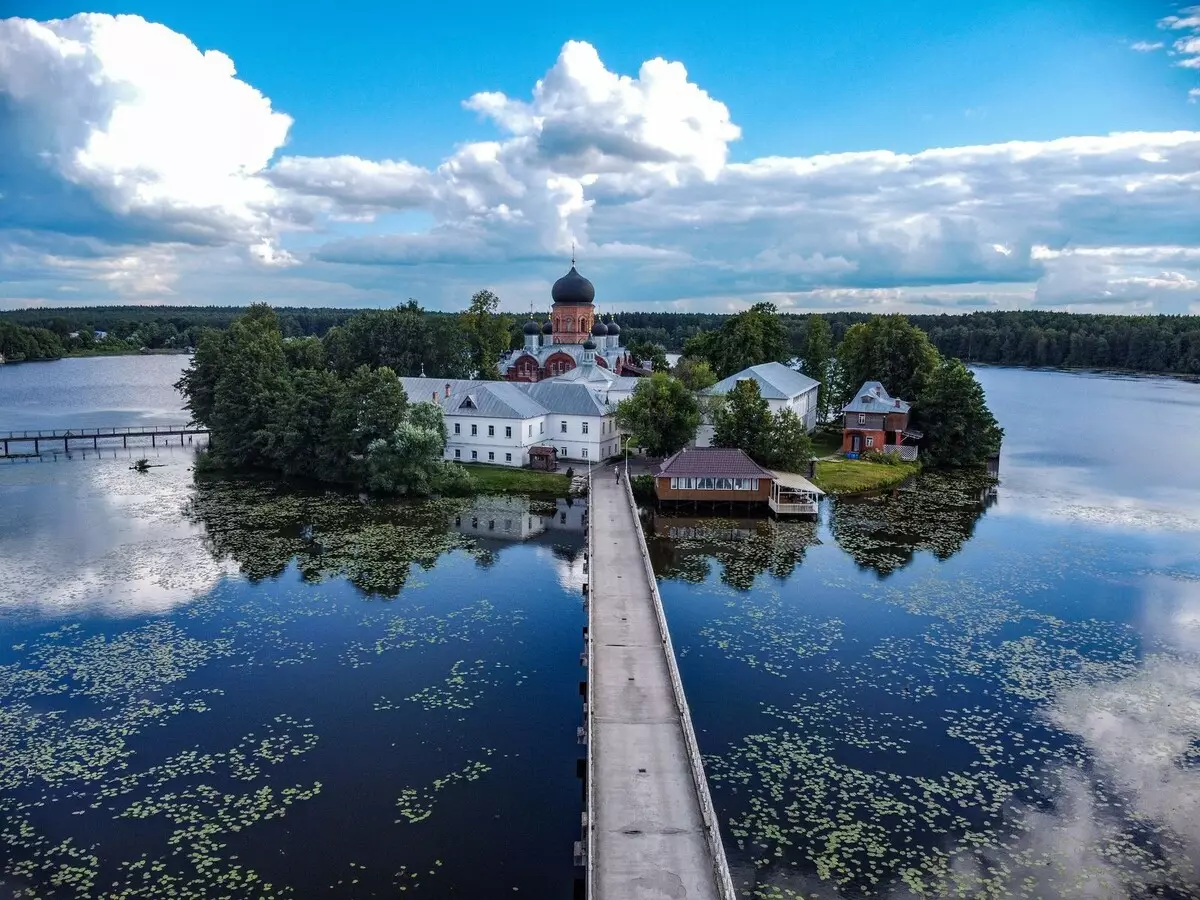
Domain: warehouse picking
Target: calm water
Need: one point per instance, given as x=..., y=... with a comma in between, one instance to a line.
x=236, y=690
x=241, y=691
x=951, y=693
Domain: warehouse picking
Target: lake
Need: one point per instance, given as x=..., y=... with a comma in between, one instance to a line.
x=954, y=692
x=237, y=689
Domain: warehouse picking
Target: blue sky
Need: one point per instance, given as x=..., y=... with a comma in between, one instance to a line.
x=692, y=191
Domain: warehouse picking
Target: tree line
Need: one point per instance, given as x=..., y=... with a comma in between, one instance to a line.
x=1167, y=344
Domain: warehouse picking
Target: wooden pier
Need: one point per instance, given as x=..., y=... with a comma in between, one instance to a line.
x=69, y=437
x=650, y=831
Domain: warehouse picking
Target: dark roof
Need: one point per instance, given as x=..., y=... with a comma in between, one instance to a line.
x=573, y=288
x=712, y=461
x=613, y=327
x=589, y=344
x=548, y=328
x=599, y=328
x=532, y=327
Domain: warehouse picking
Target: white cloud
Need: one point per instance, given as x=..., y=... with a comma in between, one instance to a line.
x=1146, y=46
x=151, y=156
x=1187, y=45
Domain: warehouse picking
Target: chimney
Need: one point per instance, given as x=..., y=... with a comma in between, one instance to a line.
x=447, y=389
x=435, y=398
x=897, y=404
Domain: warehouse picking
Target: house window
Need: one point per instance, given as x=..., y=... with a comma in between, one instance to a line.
x=491, y=456
x=531, y=429
x=457, y=428
x=491, y=431
x=474, y=430
x=508, y=431
x=541, y=427
x=508, y=457
x=870, y=441
x=458, y=454
x=562, y=426
x=563, y=452
x=862, y=418
x=474, y=454
x=585, y=427
x=585, y=452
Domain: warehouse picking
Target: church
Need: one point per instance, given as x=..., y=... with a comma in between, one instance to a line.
x=573, y=338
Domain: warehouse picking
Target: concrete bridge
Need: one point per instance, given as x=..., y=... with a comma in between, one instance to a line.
x=650, y=832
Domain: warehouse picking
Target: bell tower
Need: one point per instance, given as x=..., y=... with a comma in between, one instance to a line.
x=574, y=311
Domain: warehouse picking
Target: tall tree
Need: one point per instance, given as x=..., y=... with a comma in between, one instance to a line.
x=656, y=354
x=661, y=414
x=960, y=430
x=696, y=374
x=817, y=359
x=888, y=349
x=789, y=448
x=743, y=420
x=487, y=332
x=747, y=339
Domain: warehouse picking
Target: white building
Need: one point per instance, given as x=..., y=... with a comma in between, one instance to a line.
x=498, y=422
x=781, y=387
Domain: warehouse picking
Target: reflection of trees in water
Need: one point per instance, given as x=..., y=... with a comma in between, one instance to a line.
x=264, y=527
x=937, y=514
x=683, y=547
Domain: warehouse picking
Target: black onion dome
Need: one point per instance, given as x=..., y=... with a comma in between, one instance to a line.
x=599, y=329
x=532, y=327
x=548, y=328
x=589, y=344
x=573, y=288
x=613, y=328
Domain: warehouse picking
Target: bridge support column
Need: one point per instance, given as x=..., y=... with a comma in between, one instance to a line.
x=153, y=438
x=95, y=442
x=65, y=447
x=124, y=440
x=36, y=446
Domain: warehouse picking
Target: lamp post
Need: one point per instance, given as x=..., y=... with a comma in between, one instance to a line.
x=627, y=440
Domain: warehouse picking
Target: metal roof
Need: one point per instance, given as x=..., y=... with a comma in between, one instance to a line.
x=423, y=389
x=873, y=397
x=796, y=482
x=775, y=382
x=493, y=399
x=566, y=397
x=713, y=461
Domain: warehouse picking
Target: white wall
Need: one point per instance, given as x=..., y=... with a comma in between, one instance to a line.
x=525, y=434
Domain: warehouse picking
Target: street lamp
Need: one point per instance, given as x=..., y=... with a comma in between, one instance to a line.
x=627, y=440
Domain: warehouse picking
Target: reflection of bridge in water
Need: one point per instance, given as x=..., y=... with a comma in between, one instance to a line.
x=650, y=830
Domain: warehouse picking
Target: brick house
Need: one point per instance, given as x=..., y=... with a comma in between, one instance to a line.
x=874, y=420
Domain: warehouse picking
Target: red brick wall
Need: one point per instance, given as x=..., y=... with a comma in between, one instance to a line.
x=879, y=438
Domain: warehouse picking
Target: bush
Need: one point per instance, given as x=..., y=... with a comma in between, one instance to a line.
x=643, y=488
x=886, y=459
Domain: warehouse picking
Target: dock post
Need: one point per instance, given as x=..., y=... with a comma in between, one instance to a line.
x=36, y=447
x=181, y=439
x=95, y=442
x=65, y=447
x=124, y=440
x=153, y=438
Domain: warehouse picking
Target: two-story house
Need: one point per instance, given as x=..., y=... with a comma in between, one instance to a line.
x=875, y=420
x=781, y=387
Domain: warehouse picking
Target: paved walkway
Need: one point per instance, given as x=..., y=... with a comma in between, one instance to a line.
x=649, y=838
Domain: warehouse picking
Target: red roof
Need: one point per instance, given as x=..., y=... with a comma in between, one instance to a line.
x=712, y=462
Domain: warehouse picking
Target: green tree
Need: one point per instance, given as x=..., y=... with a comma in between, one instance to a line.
x=888, y=349
x=817, y=359
x=300, y=438
x=959, y=428
x=304, y=353
x=788, y=447
x=655, y=353
x=661, y=414
x=409, y=461
x=487, y=332
x=744, y=420
x=748, y=339
x=696, y=374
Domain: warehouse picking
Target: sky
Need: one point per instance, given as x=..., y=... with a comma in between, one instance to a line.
x=903, y=157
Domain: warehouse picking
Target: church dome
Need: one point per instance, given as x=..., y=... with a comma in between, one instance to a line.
x=548, y=328
x=599, y=329
x=573, y=288
x=613, y=328
x=532, y=327
x=589, y=344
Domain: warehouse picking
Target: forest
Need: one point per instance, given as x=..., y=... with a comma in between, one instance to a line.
x=1164, y=344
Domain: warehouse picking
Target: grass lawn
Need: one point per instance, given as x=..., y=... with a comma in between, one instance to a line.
x=826, y=443
x=508, y=480
x=854, y=476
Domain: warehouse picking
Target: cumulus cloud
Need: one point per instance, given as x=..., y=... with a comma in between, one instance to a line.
x=138, y=153
x=1186, y=27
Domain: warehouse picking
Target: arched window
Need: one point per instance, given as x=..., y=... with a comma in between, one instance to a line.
x=557, y=323
x=583, y=323
x=570, y=324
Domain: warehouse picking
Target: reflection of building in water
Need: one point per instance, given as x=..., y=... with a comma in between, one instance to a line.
x=745, y=548
x=554, y=528
x=516, y=519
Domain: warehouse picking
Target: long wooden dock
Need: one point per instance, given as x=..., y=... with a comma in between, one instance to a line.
x=650, y=829
x=108, y=434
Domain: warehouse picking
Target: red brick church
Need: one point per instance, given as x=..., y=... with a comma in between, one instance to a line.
x=570, y=338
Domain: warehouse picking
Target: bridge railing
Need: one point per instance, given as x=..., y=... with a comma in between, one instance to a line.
x=712, y=831
x=590, y=862
x=101, y=431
